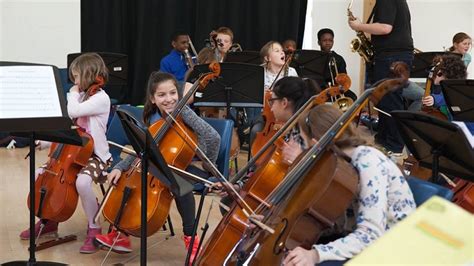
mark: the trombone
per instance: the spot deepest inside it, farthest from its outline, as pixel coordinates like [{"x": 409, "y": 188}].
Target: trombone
[{"x": 341, "y": 80}]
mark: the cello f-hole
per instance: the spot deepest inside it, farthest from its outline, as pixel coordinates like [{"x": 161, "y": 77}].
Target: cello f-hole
[
  {"x": 62, "y": 178},
  {"x": 279, "y": 246},
  {"x": 152, "y": 183}
]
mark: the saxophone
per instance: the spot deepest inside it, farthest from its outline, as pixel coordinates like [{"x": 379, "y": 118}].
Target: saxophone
[{"x": 361, "y": 44}]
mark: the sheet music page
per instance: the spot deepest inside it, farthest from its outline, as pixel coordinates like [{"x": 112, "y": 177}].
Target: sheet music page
[
  {"x": 466, "y": 132},
  {"x": 28, "y": 92}
]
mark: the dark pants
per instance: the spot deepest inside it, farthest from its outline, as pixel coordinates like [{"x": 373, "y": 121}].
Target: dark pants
[
  {"x": 186, "y": 204},
  {"x": 388, "y": 135},
  {"x": 332, "y": 263}
]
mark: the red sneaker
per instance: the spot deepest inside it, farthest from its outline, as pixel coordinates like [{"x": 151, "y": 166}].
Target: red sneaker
[
  {"x": 122, "y": 245},
  {"x": 88, "y": 247},
  {"x": 187, "y": 241},
  {"x": 50, "y": 228}
]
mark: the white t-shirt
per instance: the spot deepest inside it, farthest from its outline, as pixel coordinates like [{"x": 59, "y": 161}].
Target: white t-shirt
[{"x": 269, "y": 77}]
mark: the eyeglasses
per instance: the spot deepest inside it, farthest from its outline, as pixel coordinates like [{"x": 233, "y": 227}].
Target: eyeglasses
[{"x": 271, "y": 100}]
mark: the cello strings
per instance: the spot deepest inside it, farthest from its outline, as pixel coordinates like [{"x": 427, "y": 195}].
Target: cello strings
[
  {"x": 286, "y": 180},
  {"x": 215, "y": 170},
  {"x": 175, "y": 169}
]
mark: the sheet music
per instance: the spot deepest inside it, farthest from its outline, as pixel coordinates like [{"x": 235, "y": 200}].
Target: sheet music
[
  {"x": 28, "y": 92},
  {"x": 466, "y": 132}
]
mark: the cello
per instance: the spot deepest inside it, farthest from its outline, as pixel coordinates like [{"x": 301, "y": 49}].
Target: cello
[
  {"x": 122, "y": 204},
  {"x": 411, "y": 163},
  {"x": 256, "y": 190},
  {"x": 313, "y": 194},
  {"x": 431, "y": 110},
  {"x": 271, "y": 125},
  {"x": 56, "y": 195}
]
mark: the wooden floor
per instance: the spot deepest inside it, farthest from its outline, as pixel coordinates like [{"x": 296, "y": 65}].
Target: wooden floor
[{"x": 162, "y": 249}]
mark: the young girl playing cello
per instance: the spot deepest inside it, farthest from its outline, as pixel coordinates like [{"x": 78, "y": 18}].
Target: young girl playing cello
[
  {"x": 274, "y": 58},
  {"x": 383, "y": 197},
  {"x": 89, "y": 106},
  {"x": 287, "y": 96},
  {"x": 161, "y": 100}
]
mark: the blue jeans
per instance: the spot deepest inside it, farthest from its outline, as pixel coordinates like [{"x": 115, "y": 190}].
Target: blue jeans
[
  {"x": 382, "y": 63},
  {"x": 388, "y": 135},
  {"x": 414, "y": 94}
]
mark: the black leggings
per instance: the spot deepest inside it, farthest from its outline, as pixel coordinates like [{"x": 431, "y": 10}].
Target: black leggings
[
  {"x": 186, "y": 204},
  {"x": 187, "y": 208}
]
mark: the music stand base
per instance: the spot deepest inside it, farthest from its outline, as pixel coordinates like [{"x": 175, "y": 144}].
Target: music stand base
[
  {"x": 24, "y": 262},
  {"x": 55, "y": 242}
]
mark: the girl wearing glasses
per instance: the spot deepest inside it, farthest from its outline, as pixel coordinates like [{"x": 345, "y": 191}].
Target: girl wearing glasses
[{"x": 288, "y": 95}]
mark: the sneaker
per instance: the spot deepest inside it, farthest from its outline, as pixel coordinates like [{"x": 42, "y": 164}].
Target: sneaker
[
  {"x": 122, "y": 245},
  {"x": 50, "y": 228},
  {"x": 187, "y": 241},
  {"x": 88, "y": 247}
]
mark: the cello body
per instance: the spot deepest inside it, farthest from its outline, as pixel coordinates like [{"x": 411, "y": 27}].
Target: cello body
[
  {"x": 268, "y": 176},
  {"x": 233, "y": 225},
  {"x": 312, "y": 206},
  {"x": 56, "y": 195},
  {"x": 177, "y": 153},
  {"x": 269, "y": 130}
]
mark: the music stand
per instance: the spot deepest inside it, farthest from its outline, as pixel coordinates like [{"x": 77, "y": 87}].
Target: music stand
[
  {"x": 311, "y": 64},
  {"x": 459, "y": 96},
  {"x": 30, "y": 116},
  {"x": 153, "y": 161},
  {"x": 436, "y": 144},
  {"x": 238, "y": 85},
  {"x": 422, "y": 63},
  {"x": 117, "y": 66},
  {"x": 249, "y": 57}
]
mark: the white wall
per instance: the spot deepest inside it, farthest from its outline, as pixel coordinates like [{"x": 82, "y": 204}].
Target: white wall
[
  {"x": 434, "y": 22},
  {"x": 39, "y": 31},
  {"x": 45, "y": 31}
]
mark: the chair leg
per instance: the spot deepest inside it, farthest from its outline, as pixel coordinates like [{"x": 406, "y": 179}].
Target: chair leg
[
  {"x": 102, "y": 189},
  {"x": 171, "y": 226},
  {"x": 236, "y": 165}
]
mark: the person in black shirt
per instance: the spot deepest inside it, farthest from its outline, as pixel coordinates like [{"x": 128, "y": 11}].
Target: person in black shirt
[
  {"x": 326, "y": 42},
  {"x": 392, "y": 41},
  {"x": 391, "y": 35}
]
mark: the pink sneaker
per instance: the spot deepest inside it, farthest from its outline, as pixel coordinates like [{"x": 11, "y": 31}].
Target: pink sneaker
[
  {"x": 88, "y": 247},
  {"x": 50, "y": 228},
  {"x": 122, "y": 245},
  {"x": 187, "y": 241}
]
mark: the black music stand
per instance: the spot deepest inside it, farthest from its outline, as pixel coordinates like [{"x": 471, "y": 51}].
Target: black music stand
[
  {"x": 436, "y": 144},
  {"x": 117, "y": 65},
  {"x": 152, "y": 160},
  {"x": 35, "y": 119},
  {"x": 311, "y": 64},
  {"x": 459, "y": 96},
  {"x": 422, "y": 63},
  {"x": 238, "y": 85},
  {"x": 249, "y": 57}
]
